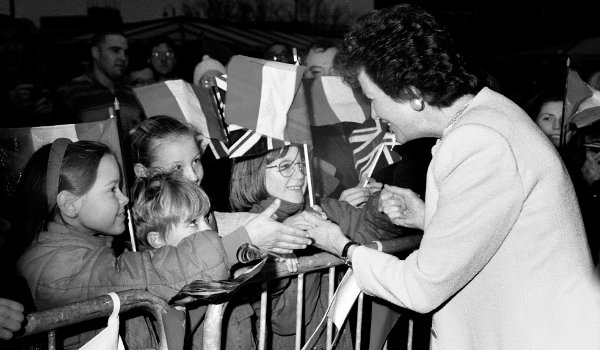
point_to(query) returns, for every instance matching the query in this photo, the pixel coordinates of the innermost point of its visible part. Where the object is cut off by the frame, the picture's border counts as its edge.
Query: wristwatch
(344, 256)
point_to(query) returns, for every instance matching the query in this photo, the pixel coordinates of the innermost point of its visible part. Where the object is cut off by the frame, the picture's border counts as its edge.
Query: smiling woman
(500, 215)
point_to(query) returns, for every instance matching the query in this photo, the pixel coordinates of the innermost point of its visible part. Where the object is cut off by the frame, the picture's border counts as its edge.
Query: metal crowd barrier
(306, 264)
(49, 321)
(53, 319)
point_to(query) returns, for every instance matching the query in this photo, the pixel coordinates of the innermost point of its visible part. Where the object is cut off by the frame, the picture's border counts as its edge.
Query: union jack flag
(370, 142)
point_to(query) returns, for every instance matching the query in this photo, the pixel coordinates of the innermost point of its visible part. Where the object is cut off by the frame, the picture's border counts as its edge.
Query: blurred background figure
(140, 77)
(546, 109)
(163, 59)
(160, 63)
(25, 98)
(319, 58)
(582, 159)
(87, 98)
(208, 67)
(279, 52)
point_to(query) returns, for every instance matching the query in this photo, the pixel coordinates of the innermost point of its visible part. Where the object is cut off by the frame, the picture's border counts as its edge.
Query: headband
(55, 159)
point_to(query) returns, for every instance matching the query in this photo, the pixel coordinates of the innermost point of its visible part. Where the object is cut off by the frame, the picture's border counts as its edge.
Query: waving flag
(582, 102)
(245, 142)
(18, 144)
(334, 110)
(331, 101)
(370, 142)
(190, 103)
(259, 96)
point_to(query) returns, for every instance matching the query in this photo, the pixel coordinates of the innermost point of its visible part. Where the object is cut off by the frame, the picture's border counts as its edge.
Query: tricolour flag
(259, 96)
(330, 101)
(582, 102)
(334, 110)
(18, 144)
(193, 104)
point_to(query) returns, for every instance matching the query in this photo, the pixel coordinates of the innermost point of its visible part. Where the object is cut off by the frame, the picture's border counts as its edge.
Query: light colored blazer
(504, 260)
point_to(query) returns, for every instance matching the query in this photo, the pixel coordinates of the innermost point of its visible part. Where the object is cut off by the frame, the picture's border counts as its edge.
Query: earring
(417, 104)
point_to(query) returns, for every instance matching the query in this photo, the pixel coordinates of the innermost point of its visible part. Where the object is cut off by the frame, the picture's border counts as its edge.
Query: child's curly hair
(164, 199)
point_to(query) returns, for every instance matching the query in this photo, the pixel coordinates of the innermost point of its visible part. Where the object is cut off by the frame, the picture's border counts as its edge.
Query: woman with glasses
(280, 174)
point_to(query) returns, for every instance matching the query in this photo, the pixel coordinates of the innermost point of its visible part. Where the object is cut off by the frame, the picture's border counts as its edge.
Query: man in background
(319, 58)
(87, 98)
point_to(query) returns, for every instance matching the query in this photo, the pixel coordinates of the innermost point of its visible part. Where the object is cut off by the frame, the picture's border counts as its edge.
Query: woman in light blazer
(504, 262)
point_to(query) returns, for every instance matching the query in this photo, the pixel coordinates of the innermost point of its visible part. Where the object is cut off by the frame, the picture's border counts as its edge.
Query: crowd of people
(495, 203)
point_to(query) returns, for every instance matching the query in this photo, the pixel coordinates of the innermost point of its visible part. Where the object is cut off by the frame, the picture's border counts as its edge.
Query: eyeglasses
(286, 168)
(167, 54)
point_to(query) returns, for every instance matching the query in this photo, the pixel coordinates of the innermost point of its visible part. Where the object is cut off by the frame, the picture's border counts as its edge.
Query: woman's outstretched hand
(271, 235)
(327, 235)
(403, 206)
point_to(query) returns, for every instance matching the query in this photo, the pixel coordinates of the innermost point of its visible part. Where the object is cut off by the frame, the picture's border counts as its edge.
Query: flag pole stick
(211, 84)
(365, 180)
(563, 123)
(311, 197)
(125, 158)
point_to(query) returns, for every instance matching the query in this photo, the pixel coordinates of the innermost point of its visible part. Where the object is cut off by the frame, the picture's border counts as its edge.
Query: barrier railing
(306, 264)
(53, 319)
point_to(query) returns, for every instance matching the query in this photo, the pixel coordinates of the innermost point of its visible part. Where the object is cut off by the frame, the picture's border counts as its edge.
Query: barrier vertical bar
(299, 311)
(262, 336)
(329, 320)
(213, 326)
(359, 319)
(409, 344)
(52, 340)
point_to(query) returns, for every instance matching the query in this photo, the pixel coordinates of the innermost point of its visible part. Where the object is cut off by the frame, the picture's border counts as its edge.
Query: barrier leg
(299, 311)
(329, 320)
(262, 336)
(359, 318)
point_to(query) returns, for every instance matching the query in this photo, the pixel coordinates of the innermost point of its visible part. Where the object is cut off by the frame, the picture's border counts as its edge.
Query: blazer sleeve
(480, 198)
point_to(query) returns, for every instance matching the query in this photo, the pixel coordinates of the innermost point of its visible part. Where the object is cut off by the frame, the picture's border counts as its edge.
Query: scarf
(286, 209)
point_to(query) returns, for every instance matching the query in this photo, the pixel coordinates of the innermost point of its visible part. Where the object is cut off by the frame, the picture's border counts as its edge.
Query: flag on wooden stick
(18, 144)
(260, 94)
(190, 103)
(330, 101)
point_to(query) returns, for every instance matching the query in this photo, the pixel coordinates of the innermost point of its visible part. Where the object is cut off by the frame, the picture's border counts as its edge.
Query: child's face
(102, 208)
(182, 154)
(291, 185)
(186, 228)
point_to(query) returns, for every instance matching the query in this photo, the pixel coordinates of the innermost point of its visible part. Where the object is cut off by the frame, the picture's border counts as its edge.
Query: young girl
(279, 175)
(72, 207)
(164, 143)
(167, 209)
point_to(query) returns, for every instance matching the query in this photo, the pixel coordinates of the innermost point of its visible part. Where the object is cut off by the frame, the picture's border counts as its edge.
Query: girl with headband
(72, 207)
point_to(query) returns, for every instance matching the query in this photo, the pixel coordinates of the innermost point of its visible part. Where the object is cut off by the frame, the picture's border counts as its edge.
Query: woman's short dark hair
(152, 131)
(77, 175)
(405, 47)
(247, 186)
